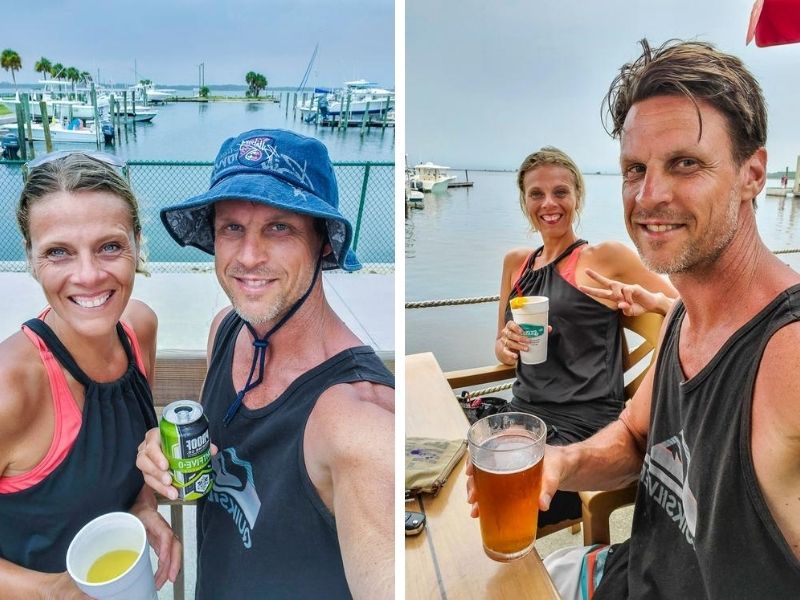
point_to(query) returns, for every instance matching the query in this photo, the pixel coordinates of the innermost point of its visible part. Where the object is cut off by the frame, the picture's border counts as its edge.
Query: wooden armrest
(597, 508)
(176, 523)
(479, 375)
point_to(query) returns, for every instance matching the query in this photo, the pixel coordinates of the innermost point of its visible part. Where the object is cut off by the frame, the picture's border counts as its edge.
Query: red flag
(774, 22)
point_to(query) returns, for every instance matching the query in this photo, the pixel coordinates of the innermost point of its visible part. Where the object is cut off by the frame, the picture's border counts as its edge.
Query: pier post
(386, 112)
(796, 188)
(23, 147)
(125, 112)
(28, 119)
(97, 129)
(48, 142)
(344, 115)
(364, 118)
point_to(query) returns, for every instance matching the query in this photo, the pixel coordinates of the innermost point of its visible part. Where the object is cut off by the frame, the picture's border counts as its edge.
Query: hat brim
(190, 222)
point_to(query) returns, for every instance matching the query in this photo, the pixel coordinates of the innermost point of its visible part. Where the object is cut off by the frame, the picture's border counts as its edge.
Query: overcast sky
(168, 39)
(489, 82)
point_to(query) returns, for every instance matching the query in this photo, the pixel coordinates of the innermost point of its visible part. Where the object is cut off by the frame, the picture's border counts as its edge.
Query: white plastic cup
(112, 531)
(530, 313)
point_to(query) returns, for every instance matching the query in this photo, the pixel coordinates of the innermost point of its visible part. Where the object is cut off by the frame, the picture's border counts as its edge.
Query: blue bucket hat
(275, 167)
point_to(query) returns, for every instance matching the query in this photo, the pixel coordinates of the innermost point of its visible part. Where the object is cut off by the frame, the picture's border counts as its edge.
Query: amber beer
(507, 451)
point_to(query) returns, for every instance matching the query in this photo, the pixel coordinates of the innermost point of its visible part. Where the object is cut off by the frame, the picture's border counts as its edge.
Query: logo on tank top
(665, 476)
(235, 492)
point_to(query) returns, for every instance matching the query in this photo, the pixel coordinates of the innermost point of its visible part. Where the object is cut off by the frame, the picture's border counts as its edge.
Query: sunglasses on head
(103, 157)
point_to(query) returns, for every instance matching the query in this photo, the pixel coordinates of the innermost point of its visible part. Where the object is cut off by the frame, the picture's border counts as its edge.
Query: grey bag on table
(429, 463)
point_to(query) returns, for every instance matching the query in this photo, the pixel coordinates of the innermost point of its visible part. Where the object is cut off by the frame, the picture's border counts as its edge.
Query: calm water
(455, 248)
(195, 131)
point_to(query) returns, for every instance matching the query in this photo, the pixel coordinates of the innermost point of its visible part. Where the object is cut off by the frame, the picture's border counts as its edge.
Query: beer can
(185, 441)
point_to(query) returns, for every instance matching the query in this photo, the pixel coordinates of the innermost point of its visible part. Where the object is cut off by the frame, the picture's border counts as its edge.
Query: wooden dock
(780, 192)
(459, 184)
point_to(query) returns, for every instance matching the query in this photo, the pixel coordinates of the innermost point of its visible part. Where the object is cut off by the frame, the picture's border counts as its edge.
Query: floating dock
(780, 192)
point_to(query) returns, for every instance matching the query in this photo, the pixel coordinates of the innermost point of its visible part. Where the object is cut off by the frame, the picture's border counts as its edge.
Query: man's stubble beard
(694, 255)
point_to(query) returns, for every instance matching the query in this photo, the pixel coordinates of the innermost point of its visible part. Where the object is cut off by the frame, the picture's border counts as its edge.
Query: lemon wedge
(517, 302)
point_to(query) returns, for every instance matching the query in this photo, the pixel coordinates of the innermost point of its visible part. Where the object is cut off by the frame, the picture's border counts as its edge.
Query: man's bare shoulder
(212, 333)
(777, 389)
(349, 415)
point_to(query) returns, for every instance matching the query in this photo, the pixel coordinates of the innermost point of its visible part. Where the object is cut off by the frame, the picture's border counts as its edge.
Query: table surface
(447, 560)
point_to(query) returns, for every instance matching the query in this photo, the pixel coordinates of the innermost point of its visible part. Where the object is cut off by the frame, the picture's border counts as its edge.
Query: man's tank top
(579, 388)
(701, 526)
(263, 531)
(98, 473)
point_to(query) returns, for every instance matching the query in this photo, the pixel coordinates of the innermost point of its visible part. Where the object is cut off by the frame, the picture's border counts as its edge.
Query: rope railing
(452, 302)
(482, 299)
(489, 390)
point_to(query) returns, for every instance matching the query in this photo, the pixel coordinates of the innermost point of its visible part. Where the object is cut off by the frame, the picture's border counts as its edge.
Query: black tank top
(263, 532)
(98, 475)
(701, 526)
(579, 388)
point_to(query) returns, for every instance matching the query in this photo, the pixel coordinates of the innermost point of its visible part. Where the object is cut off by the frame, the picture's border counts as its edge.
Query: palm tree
(255, 82)
(11, 61)
(86, 77)
(57, 71)
(43, 66)
(73, 76)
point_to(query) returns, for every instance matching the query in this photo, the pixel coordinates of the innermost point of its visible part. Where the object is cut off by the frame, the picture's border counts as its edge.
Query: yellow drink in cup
(111, 565)
(109, 559)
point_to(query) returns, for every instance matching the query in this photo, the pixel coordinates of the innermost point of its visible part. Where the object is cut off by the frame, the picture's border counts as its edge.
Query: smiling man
(713, 434)
(301, 411)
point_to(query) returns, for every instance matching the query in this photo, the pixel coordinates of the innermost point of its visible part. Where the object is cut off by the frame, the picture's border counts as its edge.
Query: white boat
(75, 130)
(431, 177)
(143, 114)
(55, 93)
(61, 134)
(147, 92)
(358, 98)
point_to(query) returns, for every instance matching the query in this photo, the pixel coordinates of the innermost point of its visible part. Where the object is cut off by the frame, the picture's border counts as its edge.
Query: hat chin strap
(261, 345)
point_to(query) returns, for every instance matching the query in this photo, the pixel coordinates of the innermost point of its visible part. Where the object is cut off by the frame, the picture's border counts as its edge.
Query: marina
(358, 102)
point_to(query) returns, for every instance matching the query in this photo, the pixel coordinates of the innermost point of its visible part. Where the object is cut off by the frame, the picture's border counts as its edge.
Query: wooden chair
(598, 506)
(638, 353)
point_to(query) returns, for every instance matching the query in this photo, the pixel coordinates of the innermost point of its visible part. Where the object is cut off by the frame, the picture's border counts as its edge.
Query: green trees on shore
(43, 66)
(11, 61)
(255, 83)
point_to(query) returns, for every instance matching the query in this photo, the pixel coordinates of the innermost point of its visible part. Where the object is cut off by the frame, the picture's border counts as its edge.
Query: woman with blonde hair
(579, 388)
(76, 379)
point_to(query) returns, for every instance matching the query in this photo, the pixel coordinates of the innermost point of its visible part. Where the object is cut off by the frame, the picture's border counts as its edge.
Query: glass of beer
(506, 451)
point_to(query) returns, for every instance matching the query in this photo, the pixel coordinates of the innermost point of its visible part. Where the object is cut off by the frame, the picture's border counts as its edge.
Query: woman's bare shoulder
(22, 379)
(515, 257)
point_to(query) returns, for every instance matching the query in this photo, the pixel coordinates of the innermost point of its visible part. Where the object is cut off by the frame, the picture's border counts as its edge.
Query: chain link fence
(366, 198)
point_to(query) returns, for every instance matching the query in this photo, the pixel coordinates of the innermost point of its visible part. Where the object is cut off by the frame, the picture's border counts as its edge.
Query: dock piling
(23, 147)
(28, 120)
(48, 141)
